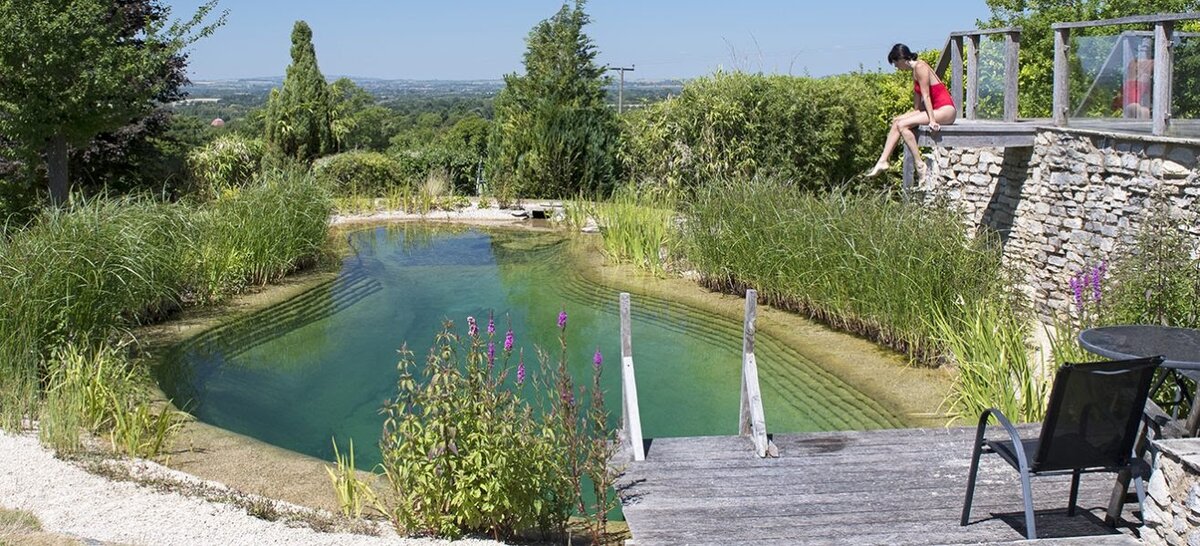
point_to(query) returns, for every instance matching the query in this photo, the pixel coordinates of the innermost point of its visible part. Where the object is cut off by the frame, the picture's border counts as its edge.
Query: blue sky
(481, 39)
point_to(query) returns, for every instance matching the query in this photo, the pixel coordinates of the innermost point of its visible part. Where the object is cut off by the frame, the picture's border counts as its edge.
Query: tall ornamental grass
(78, 276)
(635, 228)
(866, 263)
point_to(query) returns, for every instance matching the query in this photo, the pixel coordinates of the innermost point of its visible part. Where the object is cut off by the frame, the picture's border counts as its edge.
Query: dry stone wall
(1172, 509)
(1066, 203)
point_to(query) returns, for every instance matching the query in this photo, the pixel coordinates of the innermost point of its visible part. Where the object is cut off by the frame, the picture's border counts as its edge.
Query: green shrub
(809, 132)
(360, 172)
(228, 161)
(1156, 278)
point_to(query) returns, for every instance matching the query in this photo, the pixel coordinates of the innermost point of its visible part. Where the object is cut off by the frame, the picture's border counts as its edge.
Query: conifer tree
(554, 135)
(299, 117)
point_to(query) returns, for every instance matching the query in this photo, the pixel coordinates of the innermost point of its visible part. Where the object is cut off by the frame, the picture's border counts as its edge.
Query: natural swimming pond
(321, 364)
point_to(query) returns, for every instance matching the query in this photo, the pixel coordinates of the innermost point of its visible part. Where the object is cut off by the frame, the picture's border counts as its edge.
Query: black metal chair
(1092, 421)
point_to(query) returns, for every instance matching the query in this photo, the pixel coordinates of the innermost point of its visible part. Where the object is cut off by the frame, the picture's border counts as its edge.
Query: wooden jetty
(894, 487)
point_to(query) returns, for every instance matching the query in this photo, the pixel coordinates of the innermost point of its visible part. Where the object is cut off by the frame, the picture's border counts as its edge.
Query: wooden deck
(978, 133)
(895, 487)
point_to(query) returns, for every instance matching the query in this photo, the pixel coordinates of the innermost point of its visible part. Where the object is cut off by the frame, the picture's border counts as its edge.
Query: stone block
(1112, 161)
(1184, 155)
(1157, 489)
(981, 179)
(969, 159)
(1130, 161)
(1172, 170)
(989, 158)
(995, 169)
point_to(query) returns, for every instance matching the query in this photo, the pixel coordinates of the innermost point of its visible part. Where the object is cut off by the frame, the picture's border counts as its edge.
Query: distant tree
(358, 123)
(554, 135)
(73, 69)
(1037, 39)
(299, 119)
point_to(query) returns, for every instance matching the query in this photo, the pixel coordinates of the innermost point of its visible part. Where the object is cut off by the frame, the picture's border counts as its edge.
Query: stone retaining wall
(1172, 510)
(1066, 203)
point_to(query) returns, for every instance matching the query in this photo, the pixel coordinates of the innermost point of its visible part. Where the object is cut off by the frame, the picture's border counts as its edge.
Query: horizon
(668, 40)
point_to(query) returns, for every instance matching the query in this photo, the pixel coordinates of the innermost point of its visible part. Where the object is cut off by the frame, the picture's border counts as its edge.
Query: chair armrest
(1008, 427)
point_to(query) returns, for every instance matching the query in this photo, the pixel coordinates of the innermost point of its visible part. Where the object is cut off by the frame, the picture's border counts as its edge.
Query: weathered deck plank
(901, 486)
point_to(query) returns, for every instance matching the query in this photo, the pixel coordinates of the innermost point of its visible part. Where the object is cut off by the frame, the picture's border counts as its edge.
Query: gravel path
(68, 500)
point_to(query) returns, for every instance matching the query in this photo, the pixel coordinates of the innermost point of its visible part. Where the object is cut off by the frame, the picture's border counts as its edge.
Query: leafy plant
(352, 493)
(465, 448)
(357, 172)
(228, 161)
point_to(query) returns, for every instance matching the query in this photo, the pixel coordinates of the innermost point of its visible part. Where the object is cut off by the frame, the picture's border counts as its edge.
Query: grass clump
(866, 263)
(635, 228)
(78, 277)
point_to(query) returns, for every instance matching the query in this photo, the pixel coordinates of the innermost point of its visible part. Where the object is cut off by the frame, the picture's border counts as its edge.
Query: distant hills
(384, 88)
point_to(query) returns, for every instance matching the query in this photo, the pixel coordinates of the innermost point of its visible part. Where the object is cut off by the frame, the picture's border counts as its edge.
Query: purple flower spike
(597, 359)
(1077, 290)
(521, 367)
(491, 329)
(472, 328)
(508, 341)
(491, 354)
(1097, 276)
(562, 319)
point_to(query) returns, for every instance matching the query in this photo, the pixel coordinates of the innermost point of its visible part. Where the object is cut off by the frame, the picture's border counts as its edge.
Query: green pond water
(321, 364)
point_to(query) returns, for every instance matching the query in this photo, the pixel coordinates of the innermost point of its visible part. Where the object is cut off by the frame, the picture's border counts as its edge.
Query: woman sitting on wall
(932, 105)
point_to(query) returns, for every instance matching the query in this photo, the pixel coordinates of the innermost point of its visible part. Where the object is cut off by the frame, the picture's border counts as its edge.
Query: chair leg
(966, 513)
(1027, 495)
(1139, 485)
(1074, 493)
(1116, 502)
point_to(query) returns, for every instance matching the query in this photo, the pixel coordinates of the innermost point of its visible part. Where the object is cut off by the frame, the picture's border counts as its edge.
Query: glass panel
(991, 78)
(1112, 79)
(1185, 88)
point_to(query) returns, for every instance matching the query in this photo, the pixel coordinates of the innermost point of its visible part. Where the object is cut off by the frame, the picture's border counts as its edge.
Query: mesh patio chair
(1092, 421)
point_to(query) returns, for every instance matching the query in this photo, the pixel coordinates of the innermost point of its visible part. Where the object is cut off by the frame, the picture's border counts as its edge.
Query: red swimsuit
(938, 95)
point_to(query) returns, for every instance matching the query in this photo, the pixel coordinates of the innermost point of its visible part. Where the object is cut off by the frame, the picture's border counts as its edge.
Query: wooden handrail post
(631, 421)
(1012, 48)
(1164, 67)
(752, 421)
(972, 101)
(1062, 90)
(956, 65)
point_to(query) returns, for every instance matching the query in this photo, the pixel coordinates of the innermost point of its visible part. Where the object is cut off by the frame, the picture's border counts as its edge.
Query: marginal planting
(80, 275)
(869, 264)
(635, 229)
(470, 445)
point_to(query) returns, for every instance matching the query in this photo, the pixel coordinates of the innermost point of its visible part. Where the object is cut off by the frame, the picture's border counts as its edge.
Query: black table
(1180, 347)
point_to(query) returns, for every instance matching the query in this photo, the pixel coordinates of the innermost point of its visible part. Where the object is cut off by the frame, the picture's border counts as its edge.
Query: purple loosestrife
(508, 341)
(521, 367)
(597, 359)
(562, 319)
(491, 327)
(472, 328)
(1097, 276)
(1077, 288)
(491, 354)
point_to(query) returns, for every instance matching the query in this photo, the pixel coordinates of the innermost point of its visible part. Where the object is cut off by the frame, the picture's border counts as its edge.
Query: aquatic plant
(867, 263)
(464, 448)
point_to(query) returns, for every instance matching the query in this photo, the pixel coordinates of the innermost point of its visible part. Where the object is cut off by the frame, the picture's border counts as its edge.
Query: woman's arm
(923, 74)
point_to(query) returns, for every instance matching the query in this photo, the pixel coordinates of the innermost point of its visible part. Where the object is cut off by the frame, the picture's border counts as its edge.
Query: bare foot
(877, 170)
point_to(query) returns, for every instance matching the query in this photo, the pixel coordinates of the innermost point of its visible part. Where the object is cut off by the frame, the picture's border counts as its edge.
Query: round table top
(1180, 346)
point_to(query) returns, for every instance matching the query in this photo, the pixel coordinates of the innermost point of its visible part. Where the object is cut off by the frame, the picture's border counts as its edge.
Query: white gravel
(69, 500)
(470, 213)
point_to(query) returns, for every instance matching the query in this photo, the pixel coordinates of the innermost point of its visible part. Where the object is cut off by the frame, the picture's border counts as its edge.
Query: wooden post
(631, 420)
(1062, 90)
(753, 421)
(956, 66)
(1012, 47)
(1164, 65)
(972, 101)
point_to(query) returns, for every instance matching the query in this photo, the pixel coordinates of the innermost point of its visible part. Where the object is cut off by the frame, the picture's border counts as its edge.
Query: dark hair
(900, 51)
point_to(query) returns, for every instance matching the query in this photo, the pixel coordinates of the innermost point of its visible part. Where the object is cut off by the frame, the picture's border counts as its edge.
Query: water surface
(320, 365)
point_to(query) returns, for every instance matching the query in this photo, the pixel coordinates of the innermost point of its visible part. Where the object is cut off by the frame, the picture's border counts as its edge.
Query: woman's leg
(944, 115)
(893, 137)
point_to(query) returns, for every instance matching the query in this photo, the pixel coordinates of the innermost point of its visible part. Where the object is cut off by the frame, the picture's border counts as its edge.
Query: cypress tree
(299, 115)
(554, 135)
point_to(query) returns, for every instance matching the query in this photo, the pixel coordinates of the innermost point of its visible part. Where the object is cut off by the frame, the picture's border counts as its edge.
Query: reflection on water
(322, 364)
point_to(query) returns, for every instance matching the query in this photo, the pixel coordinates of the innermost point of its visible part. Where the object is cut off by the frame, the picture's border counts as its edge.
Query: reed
(353, 494)
(79, 275)
(866, 263)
